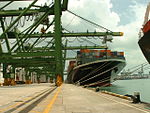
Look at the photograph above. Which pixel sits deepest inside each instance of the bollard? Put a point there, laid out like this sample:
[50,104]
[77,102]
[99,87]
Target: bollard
[96,89]
[84,86]
[137,96]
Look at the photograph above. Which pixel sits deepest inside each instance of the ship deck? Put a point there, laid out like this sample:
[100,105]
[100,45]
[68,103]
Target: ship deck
[65,99]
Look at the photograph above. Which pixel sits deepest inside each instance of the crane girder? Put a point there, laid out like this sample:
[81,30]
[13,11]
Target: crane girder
[11,35]
[9,13]
[84,47]
[29,54]
[27,61]
[32,58]
[71,48]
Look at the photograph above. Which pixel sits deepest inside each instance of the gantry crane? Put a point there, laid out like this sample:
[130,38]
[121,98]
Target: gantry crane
[48,59]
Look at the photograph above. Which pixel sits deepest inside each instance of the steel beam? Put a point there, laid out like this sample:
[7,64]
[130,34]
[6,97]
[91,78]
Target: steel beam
[50,54]
[69,35]
[92,34]
[70,48]
[27,61]
[34,54]
[30,31]
[57,37]
[40,36]
[85,47]
[80,34]
[5,35]
[10,13]
[19,16]
[65,5]
[14,22]
[5,70]
[32,65]
[6,5]
[70,58]
[3,28]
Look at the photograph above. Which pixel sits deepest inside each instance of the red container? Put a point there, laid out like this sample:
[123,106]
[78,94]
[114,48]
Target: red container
[146,27]
[108,53]
[85,51]
[96,53]
[105,50]
[122,53]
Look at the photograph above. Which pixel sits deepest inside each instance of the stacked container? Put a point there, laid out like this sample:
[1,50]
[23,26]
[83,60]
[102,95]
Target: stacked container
[120,54]
[87,55]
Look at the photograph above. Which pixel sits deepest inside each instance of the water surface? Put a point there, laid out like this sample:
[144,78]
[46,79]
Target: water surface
[130,86]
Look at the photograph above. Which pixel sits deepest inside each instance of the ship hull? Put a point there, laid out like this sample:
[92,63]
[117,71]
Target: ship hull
[144,44]
[97,73]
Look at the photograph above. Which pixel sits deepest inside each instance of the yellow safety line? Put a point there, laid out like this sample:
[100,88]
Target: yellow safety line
[49,106]
[9,107]
[123,103]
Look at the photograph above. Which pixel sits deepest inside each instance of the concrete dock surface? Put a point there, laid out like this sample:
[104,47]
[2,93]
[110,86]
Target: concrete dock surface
[46,98]
[10,94]
[74,99]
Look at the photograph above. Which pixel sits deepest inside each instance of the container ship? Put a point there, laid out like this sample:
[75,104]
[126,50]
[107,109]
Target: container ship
[95,67]
[144,41]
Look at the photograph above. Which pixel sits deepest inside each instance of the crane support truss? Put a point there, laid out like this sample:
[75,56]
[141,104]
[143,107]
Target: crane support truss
[46,60]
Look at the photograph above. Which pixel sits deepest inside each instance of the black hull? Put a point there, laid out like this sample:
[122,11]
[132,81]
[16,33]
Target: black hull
[99,73]
[144,44]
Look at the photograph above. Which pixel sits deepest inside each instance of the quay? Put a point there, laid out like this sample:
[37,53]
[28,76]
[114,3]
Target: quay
[68,98]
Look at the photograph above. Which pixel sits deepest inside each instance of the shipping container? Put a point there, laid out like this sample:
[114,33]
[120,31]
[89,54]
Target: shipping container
[105,50]
[86,55]
[146,27]
[96,53]
[122,53]
[85,51]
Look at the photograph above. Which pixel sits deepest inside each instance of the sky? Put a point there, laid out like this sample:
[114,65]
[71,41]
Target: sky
[116,15]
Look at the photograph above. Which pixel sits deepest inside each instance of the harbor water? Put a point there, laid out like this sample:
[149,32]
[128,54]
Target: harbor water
[124,87]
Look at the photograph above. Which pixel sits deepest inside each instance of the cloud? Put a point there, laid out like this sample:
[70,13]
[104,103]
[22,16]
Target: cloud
[97,11]
[100,12]
[129,42]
